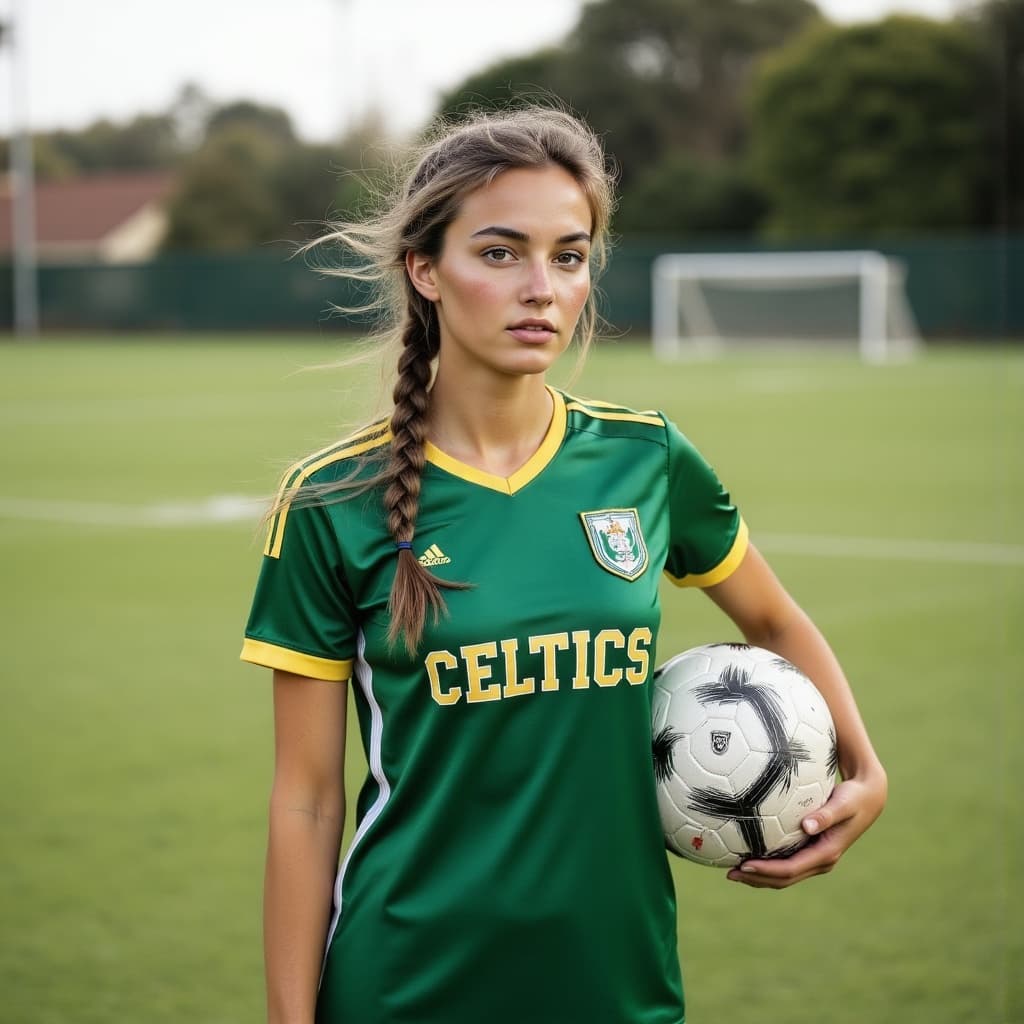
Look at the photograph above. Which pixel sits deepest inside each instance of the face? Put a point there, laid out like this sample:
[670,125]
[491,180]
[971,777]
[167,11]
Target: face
[513,274]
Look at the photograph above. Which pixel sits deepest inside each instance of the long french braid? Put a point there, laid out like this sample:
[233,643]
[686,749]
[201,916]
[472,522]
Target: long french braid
[416,592]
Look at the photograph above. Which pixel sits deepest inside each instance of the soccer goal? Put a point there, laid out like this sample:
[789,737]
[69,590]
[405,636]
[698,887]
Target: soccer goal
[703,302]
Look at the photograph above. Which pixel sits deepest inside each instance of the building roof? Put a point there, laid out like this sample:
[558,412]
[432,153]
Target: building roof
[84,211]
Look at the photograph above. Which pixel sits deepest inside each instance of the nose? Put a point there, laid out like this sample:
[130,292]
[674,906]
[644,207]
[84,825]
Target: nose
[537,289]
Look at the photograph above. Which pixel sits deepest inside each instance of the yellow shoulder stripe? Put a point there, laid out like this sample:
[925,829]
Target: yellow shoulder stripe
[332,452]
[725,568]
[366,440]
[629,417]
[258,652]
[592,402]
[610,411]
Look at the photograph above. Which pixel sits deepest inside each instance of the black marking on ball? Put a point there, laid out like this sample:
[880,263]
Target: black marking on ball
[832,764]
[662,747]
[786,666]
[734,686]
[786,851]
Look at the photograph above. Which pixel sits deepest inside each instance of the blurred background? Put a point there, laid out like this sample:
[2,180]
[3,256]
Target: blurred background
[818,272]
[176,150]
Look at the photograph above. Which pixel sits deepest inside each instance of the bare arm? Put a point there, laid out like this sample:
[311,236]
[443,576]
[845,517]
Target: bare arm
[307,813]
[767,616]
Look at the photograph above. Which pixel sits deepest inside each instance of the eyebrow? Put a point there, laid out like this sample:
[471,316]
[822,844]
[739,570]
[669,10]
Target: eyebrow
[522,236]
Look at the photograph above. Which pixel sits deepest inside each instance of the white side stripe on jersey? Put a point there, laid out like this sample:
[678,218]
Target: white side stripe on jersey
[363,675]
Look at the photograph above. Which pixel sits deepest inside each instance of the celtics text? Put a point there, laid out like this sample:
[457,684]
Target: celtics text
[495,670]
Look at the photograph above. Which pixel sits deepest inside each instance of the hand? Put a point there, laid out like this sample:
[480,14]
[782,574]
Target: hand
[854,804]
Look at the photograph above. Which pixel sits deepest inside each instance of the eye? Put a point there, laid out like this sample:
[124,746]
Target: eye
[570,258]
[498,254]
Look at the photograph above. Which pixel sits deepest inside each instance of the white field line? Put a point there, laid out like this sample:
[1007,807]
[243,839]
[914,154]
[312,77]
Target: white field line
[225,508]
[234,508]
[134,408]
[884,550]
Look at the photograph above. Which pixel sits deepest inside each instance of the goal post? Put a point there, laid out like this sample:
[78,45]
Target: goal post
[703,302]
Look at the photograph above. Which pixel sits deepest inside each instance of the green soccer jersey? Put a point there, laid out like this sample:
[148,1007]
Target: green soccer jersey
[508,865]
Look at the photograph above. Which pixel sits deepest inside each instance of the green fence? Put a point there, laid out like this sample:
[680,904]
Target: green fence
[970,287]
[958,288]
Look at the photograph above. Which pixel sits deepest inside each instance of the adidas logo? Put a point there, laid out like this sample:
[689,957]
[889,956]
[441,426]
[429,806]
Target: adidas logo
[433,556]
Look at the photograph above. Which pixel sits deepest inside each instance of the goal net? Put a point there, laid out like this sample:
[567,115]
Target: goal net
[703,302]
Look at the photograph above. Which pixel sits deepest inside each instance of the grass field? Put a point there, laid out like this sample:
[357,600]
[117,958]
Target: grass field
[136,749]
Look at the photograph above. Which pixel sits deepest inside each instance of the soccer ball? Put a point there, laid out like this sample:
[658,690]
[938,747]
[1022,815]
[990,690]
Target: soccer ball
[744,749]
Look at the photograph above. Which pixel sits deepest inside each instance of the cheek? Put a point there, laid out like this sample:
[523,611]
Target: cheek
[578,294]
[472,291]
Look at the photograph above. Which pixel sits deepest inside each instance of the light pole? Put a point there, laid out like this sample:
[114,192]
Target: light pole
[23,207]
[353,69]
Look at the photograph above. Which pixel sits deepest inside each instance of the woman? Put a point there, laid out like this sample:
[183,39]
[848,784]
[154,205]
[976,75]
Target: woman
[483,567]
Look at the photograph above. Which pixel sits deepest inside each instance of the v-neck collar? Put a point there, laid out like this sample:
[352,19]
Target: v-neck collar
[528,471]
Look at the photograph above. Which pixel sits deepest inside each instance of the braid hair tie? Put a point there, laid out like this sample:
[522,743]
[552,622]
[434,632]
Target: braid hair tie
[403,545]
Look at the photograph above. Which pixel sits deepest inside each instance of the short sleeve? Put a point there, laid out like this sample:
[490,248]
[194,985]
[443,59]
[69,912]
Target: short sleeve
[302,614]
[707,535]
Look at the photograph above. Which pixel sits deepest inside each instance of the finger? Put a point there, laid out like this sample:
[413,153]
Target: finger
[761,882]
[756,879]
[817,858]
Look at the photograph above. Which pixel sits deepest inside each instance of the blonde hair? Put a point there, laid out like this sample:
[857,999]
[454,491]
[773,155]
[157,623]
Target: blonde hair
[452,163]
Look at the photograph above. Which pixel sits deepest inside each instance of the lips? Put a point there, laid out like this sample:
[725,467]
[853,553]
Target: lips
[533,331]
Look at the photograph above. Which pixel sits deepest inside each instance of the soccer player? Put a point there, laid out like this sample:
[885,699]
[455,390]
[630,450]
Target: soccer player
[482,569]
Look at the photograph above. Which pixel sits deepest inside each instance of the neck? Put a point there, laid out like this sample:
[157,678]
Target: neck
[494,425]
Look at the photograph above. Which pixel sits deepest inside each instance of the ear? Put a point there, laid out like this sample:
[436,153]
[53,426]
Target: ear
[420,269]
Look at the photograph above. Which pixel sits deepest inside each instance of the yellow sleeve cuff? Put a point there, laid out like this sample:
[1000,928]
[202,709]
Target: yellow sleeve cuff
[725,568]
[271,656]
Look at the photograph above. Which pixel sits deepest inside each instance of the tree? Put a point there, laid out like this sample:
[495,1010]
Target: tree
[871,128]
[224,199]
[147,142]
[620,107]
[652,76]
[252,182]
[999,26]
[272,123]
[682,195]
[695,57]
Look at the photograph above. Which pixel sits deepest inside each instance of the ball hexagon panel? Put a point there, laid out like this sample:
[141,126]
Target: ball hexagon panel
[810,706]
[778,837]
[672,816]
[701,844]
[818,745]
[753,727]
[748,771]
[718,745]
[694,776]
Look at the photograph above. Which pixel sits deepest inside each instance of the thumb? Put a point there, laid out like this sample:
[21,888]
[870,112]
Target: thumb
[813,824]
[834,809]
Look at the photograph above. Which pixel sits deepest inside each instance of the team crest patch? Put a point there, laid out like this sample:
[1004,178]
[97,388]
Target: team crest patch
[617,541]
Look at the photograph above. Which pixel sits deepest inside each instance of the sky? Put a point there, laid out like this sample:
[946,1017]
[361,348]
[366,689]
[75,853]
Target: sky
[117,58]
